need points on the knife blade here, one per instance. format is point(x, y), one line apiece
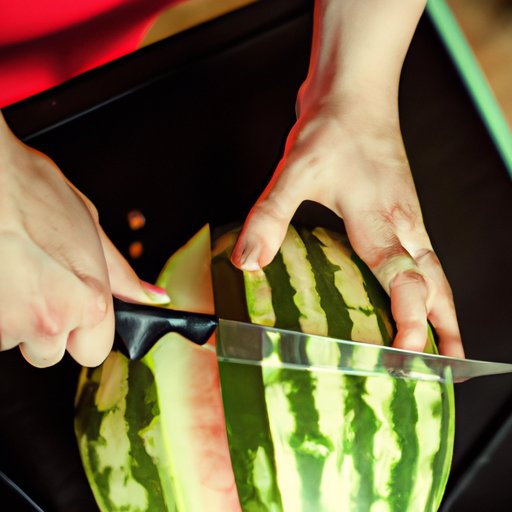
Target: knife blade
point(139, 327)
point(243, 343)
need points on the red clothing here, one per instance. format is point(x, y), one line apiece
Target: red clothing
point(45, 42)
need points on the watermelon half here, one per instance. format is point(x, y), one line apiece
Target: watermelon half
point(178, 431)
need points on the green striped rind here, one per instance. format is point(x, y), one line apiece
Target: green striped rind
point(345, 295)
point(441, 462)
point(144, 424)
point(251, 447)
point(299, 441)
point(117, 427)
point(290, 272)
point(334, 442)
point(152, 432)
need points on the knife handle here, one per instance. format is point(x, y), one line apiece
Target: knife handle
point(140, 326)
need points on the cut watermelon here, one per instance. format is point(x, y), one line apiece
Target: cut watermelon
point(164, 434)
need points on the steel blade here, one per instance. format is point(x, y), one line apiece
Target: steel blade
point(243, 343)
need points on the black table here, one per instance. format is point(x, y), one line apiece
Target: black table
point(188, 131)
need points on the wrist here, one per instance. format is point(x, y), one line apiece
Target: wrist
point(360, 108)
point(358, 51)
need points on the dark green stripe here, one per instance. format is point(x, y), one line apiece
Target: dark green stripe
point(285, 309)
point(339, 323)
point(243, 395)
point(404, 417)
point(310, 445)
point(228, 289)
point(248, 429)
point(358, 442)
point(141, 408)
point(87, 417)
point(378, 298)
point(442, 460)
point(88, 422)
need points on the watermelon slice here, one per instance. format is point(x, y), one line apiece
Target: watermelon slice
point(178, 459)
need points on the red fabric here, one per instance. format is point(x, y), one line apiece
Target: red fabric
point(45, 42)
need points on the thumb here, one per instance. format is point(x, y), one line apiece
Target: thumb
point(265, 227)
point(124, 282)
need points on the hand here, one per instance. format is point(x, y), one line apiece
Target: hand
point(346, 152)
point(351, 159)
point(58, 270)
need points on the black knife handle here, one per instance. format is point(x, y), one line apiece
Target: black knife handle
point(140, 326)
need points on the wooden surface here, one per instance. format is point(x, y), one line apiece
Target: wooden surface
point(487, 25)
point(189, 14)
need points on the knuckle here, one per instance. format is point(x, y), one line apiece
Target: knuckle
point(408, 276)
point(6, 343)
point(404, 216)
point(49, 323)
point(271, 208)
point(87, 353)
point(397, 269)
point(384, 255)
point(416, 324)
point(426, 255)
point(93, 211)
point(91, 207)
point(97, 302)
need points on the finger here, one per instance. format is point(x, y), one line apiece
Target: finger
point(124, 282)
point(377, 242)
point(442, 312)
point(447, 329)
point(41, 311)
point(55, 319)
point(44, 352)
point(40, 324)
point(90, 346)
point(90, 342)
point(7, 342)
point(408, 292)
point(43, 332)
point(266, 225)
point(400, 276)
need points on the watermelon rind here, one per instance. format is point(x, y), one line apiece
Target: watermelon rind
point(178, 431)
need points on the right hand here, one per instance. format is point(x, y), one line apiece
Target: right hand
point(58, 269)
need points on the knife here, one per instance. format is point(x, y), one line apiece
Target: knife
point(140, 326)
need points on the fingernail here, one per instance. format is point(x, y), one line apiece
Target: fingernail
point(246, 256)
point(155, 293)
point(249, 260)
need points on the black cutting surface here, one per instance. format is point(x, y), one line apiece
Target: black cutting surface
point(188, 131)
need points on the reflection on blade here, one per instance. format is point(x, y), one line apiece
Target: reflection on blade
point(270, 347)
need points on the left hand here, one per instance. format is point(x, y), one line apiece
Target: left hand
point(352, 160)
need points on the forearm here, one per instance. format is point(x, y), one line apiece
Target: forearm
point(358, 50)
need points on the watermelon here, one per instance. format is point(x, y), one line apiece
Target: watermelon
point(180, 431)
